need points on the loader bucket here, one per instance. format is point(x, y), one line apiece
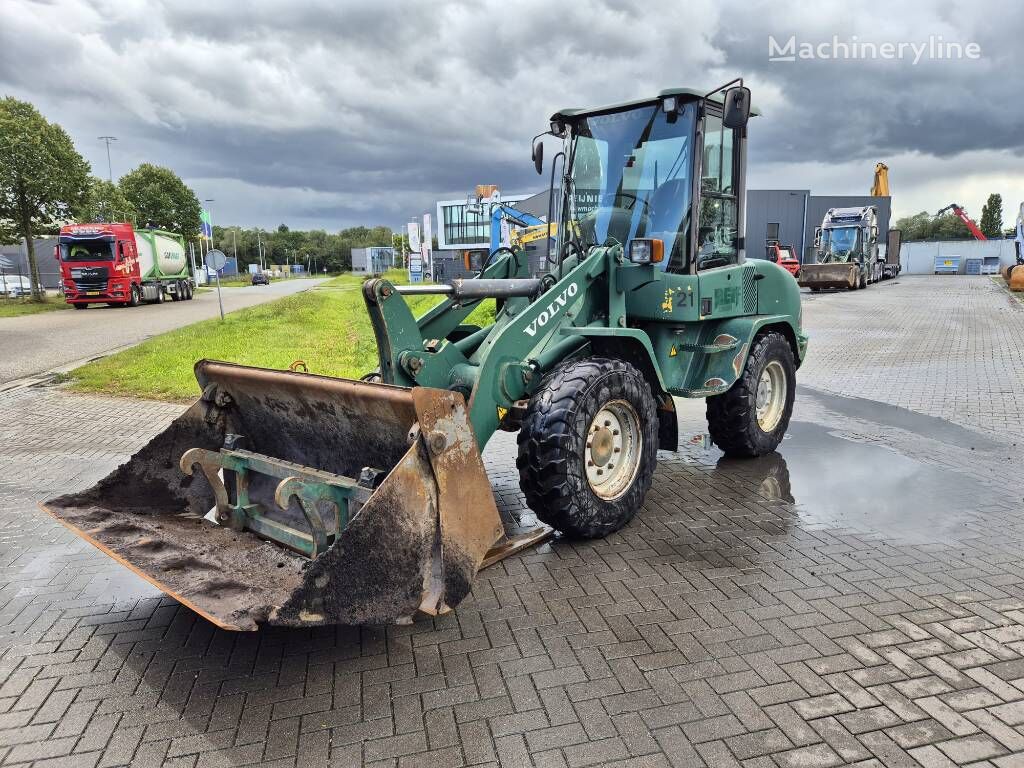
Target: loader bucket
point(829, 276)
point(295, 499)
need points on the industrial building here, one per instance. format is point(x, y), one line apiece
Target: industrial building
point(372, 261)
point(14, 261)
point(459, 229)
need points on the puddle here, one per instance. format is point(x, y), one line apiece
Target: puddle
point(902, 418)
point(832, 480)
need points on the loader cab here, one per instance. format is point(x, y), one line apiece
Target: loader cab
point(668, 169)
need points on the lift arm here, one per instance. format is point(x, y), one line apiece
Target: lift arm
point(961, 214)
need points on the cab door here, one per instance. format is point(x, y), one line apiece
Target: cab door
point(718, 261)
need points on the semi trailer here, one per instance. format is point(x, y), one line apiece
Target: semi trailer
point(114, 264)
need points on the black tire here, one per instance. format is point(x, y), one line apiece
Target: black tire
point(553, 443)
point(134, 300)
point(80, 306)
point(177, 295)
point(189, 292)
point(159, 295)
point(863, 282)
point(732, 416)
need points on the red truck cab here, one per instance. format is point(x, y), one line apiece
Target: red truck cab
point(98, 264)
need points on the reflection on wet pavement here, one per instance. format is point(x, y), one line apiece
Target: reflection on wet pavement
point(834, 480)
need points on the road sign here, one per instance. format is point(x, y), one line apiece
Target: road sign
point(415, 269)
point(216, 260)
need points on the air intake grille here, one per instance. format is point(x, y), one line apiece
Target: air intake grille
point(90, 278)
point(749, 290)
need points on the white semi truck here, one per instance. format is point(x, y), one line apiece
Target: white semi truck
point(847, 254)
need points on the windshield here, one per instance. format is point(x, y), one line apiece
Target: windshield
point(840, 244)
point(87, 250)
point(630, 176)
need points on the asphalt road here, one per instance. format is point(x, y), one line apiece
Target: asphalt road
point(38, 343)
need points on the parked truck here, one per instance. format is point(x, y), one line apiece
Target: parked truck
point(846, 248)
point(114, 264)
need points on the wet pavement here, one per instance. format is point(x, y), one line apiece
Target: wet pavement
point(856, 598)
point(837, 481)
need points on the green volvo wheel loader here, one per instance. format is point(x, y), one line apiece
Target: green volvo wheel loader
point(290, 498)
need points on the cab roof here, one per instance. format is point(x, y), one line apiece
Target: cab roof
point(687, 94)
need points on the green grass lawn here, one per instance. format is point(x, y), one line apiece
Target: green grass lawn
point(18, 307)
point(327, 327)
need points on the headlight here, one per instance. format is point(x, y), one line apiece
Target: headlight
point(647, 250)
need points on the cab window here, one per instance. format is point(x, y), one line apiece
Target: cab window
point(717, 236)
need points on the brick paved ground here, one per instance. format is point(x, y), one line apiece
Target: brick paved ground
point(745, 617)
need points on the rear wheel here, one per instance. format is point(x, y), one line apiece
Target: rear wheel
point(588, 446)
point(863, 282)
point(189, 291)
point(159, 294)
point(751, 418)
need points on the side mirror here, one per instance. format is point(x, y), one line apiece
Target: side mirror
point(56, 252)
point(736, 110)
point(538, 157)
point(817, 237)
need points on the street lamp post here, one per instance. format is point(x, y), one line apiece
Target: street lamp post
point(110, 168)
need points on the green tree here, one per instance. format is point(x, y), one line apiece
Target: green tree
point(104, 202)
point(991, 224)
point(162, 199)
point(924, 226)
point(42, 178)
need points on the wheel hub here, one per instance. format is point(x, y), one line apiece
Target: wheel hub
point(612, 455)
point(602, 446)
point(770, 399)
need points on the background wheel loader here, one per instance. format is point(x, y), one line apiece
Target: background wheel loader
point(295, 499)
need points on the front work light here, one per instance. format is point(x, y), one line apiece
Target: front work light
point(647, 250)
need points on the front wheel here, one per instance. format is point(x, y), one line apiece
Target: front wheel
point(134, 300)
point(588, 446)
point(751, 418)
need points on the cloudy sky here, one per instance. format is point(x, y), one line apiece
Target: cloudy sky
point(332, 113)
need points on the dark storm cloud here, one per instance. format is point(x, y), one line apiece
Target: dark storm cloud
point(336, 113)
point(863, 108)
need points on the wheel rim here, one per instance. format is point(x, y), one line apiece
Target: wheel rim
point(614, 446)
point(771, 396)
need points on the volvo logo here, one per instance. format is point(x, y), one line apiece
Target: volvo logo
point(552, 309)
